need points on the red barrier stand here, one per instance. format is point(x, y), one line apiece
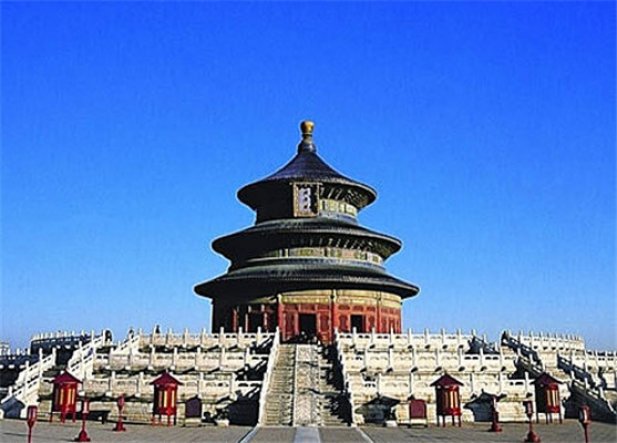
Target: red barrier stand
point(31, 420)
point(85, 410)
point(119, 424)
point(532, 437)
point(584, 417)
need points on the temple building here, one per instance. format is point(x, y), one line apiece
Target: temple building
point(307, 265)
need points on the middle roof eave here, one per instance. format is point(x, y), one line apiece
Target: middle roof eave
point(263, 234)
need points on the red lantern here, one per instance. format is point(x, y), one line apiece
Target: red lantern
point(495, 426)
point(165, 397)
point(64, 396)
point(584, 417)
point(31, 419)
point(547, 397)
point(119, 424)
point(85, 410)
point(448, 398)
point(532, 437)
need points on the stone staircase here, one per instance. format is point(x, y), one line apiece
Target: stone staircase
point(279, 400)
point(333, 407)
point(305, 388)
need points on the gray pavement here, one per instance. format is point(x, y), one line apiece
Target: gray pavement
point(16, 431)
point(569, 432)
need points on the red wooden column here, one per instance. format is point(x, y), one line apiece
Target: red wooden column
point(333, 314)
point(280, 316)
point(378, 315)
point(234, 319)
point(264, 319)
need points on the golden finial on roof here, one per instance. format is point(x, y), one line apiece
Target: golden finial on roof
point(307, 128)
point(306, 144)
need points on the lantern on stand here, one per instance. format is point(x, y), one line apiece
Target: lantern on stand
point(119, 424)
point(165, 397)
point(532, 437)
point(584, 417)
point(448, 398)
point(547, 397)
point(495, 426)
point(31, 420)
point(64, 398)
point(85, 410)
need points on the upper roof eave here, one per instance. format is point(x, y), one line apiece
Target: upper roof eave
point(304, 166)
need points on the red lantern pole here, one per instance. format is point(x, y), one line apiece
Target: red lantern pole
point(119, 424)
point(495, 427)
point(584, 417)
point(85, 410)
point(31, 420)
point(532, 437)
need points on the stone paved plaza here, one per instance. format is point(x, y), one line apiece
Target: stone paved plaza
point(570, 431)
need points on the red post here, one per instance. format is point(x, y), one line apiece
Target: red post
point(532, 437)
point(31, 420)
point(584, 417)
point(85, 410)
point(119, 424)
point(495, 426)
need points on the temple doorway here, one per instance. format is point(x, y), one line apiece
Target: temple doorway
point(357, 322)
point(308, 324)
point(255, 320)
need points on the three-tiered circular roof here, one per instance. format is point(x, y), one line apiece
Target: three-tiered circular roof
point(269, 275)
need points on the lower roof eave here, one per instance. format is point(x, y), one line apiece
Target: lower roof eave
point(223, 288)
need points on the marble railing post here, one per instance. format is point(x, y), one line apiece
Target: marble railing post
point(239, 337)
point(40, 361)
point(231, 385)
point(174, 358)
point(197, 358)
point(221, 336)
point(140, 382)
point(110, 382)
point(169, 337)
point(222, 358)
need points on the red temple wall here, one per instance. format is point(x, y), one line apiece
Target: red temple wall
point(318, 318)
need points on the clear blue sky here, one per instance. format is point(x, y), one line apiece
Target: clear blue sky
point(488, 129)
